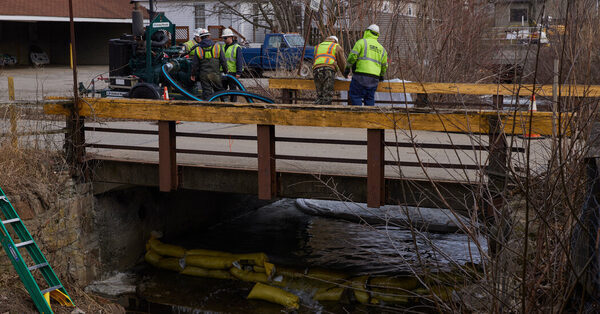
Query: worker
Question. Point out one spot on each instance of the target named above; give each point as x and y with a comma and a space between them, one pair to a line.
329, 58
234, 58
368, 60
189, 45
205, 65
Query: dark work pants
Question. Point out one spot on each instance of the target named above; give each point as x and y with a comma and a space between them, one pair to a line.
362, 90
210, 84
230, 84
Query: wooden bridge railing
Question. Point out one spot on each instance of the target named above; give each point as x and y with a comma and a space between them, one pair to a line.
375, 120
289, 88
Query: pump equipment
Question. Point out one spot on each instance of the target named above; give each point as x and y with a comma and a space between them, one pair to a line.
141, 64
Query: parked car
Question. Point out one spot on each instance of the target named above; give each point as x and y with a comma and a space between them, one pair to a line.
279, 51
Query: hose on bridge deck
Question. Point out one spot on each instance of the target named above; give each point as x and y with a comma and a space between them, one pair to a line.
242, 92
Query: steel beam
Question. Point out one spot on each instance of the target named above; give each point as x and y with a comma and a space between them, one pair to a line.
267, 179
167, 157
375, 168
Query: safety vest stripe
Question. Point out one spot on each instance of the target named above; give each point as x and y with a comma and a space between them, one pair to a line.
330, 48
325, 53
328, 57
354, 52
215, 52
369, 59
364, 57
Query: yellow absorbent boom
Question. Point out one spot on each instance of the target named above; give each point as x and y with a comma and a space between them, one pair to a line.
209, 273
166, 249
210, 262
275, 295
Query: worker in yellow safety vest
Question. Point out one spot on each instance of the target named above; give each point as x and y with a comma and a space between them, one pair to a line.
189, 45
368, 60
234, 59
205, 65
329, 58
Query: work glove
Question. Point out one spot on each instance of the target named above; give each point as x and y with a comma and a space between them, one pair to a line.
381, 78
346, 72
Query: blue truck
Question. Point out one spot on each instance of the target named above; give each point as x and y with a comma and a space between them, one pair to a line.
279, 51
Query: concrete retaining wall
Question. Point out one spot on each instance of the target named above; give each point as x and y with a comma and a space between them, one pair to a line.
84, 236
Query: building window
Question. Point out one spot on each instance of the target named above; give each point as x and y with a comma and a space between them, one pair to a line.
518, 15
409, 10
199, 16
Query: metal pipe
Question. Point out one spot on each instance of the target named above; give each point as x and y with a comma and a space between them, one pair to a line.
151, 9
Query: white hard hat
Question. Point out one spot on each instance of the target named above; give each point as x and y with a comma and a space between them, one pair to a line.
333, 38
197, 32
203, 32
227, 33
374, 28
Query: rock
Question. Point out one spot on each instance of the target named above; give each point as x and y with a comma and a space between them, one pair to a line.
77, 311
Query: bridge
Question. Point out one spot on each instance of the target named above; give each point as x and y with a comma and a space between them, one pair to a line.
374, 155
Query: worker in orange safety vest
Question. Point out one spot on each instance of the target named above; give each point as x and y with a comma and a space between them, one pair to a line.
329, 59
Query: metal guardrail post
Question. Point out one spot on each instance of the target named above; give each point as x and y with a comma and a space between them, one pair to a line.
267, 175
286, 96
375, 168
422, 100
167, 157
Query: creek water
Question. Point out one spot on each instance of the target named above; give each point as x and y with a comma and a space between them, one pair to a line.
292, 238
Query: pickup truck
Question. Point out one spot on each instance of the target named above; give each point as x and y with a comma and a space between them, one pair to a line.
279, 51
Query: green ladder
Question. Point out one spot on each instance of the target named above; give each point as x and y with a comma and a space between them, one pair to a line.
54, 290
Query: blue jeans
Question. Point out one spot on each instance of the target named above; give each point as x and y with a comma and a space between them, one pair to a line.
360, 93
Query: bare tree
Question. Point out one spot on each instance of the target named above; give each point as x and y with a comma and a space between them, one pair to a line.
273, 15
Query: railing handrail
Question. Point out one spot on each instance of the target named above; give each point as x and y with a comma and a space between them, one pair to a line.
449, 88
462, 121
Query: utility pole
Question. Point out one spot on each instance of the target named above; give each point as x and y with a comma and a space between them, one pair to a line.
75, 136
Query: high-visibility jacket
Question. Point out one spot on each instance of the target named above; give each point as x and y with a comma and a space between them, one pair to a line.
189, 45
325, 53
213, 51
209, 58
368, 56
230, 57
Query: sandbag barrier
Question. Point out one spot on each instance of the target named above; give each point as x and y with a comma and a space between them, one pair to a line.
323, 285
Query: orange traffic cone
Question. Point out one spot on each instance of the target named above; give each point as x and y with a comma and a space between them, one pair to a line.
166, 94
532, 108
533, 104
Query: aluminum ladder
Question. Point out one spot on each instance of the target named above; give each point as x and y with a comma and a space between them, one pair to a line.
53, 287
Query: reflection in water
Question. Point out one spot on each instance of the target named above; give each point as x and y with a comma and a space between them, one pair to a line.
290, 237
293, 238
391, 250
